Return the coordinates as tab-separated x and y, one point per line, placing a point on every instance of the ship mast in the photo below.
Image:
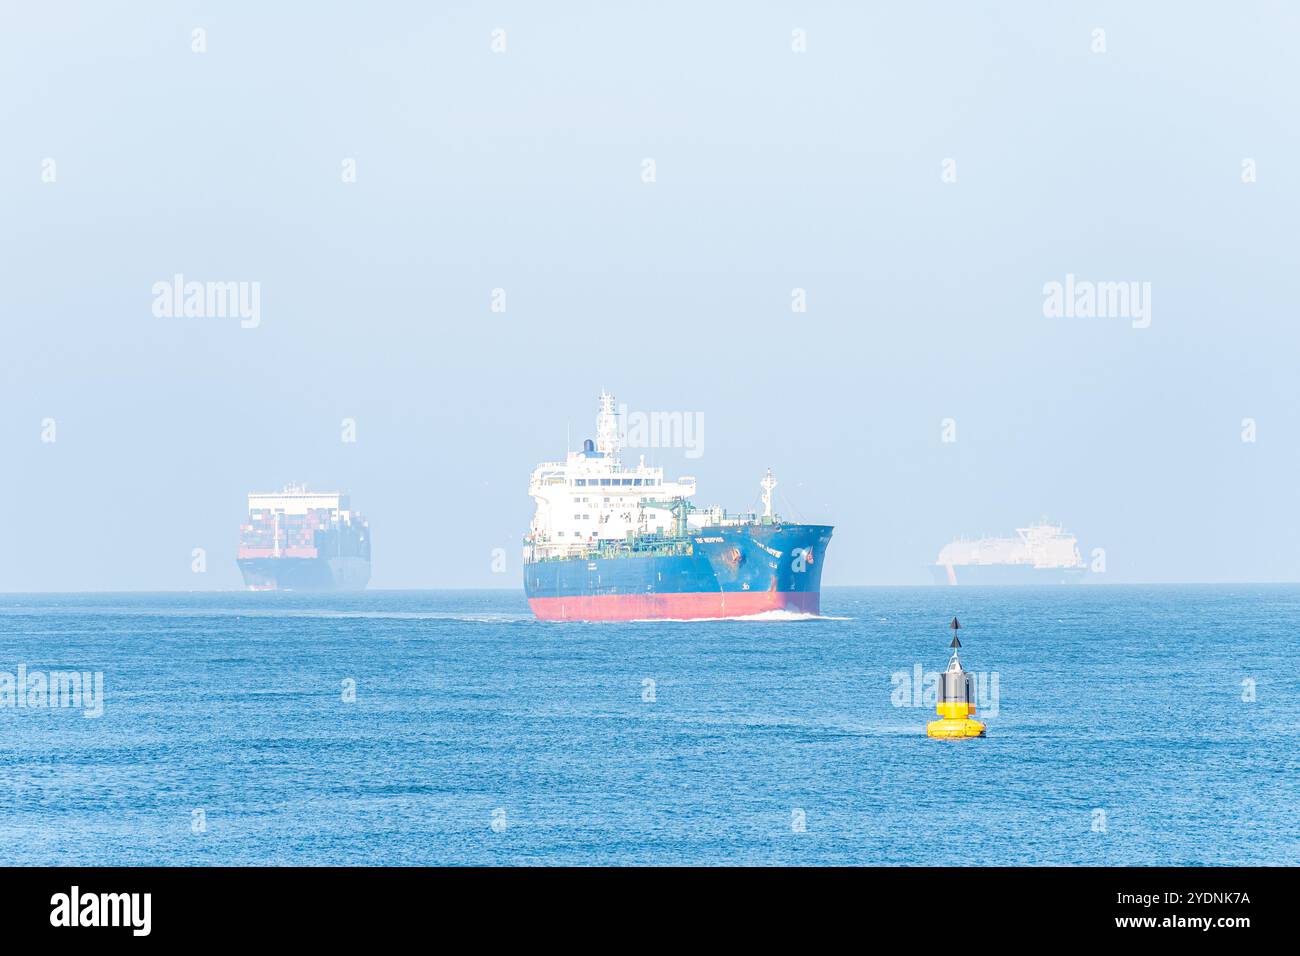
767	484
607	442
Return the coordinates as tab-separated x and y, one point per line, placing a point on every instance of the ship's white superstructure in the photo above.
297	500
1042	546
592	496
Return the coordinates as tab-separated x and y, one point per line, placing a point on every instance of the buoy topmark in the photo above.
956	703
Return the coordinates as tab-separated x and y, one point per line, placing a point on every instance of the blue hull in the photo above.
712	572
305	574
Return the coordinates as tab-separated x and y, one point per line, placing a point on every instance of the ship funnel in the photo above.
588	446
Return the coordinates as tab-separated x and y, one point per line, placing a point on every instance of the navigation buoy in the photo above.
956	703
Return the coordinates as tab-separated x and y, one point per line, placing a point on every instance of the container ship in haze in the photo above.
300	540
1040	554
614	542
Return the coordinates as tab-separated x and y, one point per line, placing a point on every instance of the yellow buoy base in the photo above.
950	727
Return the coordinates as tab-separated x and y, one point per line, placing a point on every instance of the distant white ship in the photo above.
1042	553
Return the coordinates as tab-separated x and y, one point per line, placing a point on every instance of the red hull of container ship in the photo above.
677	607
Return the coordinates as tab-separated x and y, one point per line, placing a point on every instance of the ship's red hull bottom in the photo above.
674	607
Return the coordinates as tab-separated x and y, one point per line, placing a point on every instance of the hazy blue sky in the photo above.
523	171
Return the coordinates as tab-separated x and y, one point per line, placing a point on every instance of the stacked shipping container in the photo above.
303	540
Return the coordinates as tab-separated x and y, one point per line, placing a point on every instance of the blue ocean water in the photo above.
480	736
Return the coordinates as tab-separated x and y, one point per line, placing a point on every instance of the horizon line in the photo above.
517	590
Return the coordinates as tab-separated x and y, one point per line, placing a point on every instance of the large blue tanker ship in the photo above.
610	542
